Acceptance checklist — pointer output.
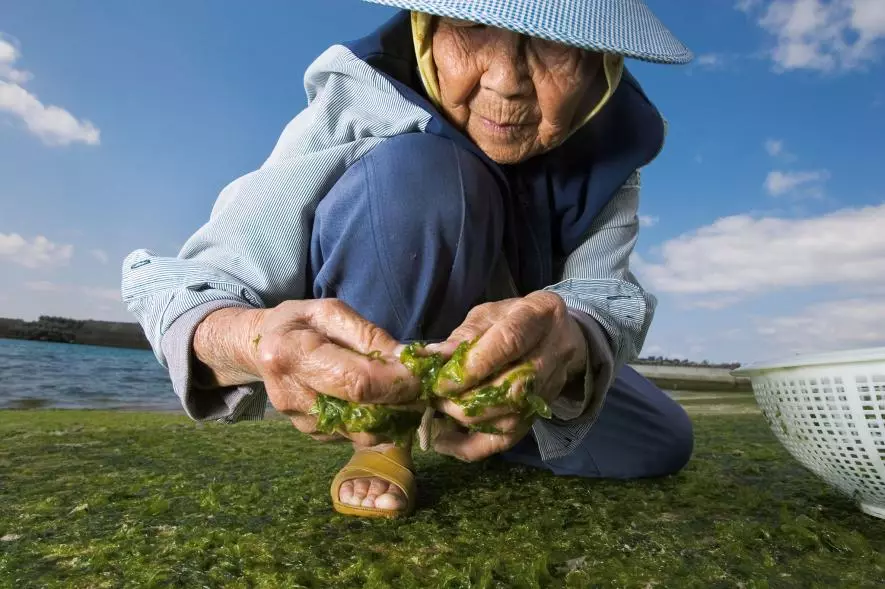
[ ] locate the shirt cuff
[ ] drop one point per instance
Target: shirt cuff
(587, 395)
(225, 404)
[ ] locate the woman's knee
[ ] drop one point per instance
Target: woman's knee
(678, 439)
(641, 433)
(417, 187)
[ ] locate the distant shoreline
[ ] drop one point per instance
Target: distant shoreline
(113, 334)
(63, 330)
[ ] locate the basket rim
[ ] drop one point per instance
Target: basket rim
(856, 356)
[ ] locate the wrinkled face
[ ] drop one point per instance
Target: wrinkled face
(514, 96)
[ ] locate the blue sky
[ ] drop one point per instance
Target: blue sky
(764, 216)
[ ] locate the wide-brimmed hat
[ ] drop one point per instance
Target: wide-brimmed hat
(624, 27)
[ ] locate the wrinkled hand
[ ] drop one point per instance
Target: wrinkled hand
(537, 330)
(302, 348)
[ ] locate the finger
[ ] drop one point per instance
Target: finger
(477, 322)
(444, 349)
(552, 368)
(364, 440)
(506, 342)
(456, 412)
(479, 319)
(474, 446)
(509, 424)
(306, 424)
(348, 329)
(324, 366)
(302, 415)
(290, 396)
(502, 344)
(328, 438)
(505, 395)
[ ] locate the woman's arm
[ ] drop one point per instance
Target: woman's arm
(596, 322)
(597, 283)
(252, 252)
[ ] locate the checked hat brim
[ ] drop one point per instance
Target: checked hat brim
(623, 27)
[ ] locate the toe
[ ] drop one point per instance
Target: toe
(360, 490)
(390, 501)
(378, 486)
(345, 492)
(372, 493)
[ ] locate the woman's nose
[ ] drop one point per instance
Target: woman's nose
(507, 72)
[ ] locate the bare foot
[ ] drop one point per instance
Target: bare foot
(373, 493)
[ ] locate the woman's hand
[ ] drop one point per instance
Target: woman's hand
(301, 348)
(510, 335)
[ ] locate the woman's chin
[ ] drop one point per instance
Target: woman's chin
(504, 152)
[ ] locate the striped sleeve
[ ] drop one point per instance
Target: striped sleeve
(597, 280)
(610, 305)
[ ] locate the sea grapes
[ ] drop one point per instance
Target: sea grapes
(426, 367)
(336, 415)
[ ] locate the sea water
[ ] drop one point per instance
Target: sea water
(40, 374)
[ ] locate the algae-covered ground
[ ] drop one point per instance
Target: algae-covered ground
(96, 499)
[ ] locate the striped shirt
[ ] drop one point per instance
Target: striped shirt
(249, 255)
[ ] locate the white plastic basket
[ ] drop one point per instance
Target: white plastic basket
(828, 410)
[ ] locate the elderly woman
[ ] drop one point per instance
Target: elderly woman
(467, 173)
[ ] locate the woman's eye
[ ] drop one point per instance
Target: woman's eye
(464, 24)
(551, 47)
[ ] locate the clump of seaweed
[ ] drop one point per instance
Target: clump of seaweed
(335, 415)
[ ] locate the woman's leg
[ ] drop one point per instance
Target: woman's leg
(641, 432)
(408, 237)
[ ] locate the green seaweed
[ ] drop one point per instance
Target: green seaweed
(336, 415)
(425, 366)
(476, 402)
(104, 499)
(375, 355)
(454, 370)
(538, 406)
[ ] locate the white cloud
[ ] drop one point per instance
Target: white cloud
(99, 255)
(742, 255)
(52, 124)
(779, 183)
(715, 303)
(747, 5)
(774, 147)
(8, 51)
(8, 55)
(648, 221)
(827, 326)
(823, 35)
(39, 252)
(710, 60)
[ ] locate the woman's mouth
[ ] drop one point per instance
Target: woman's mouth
(502, 129)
